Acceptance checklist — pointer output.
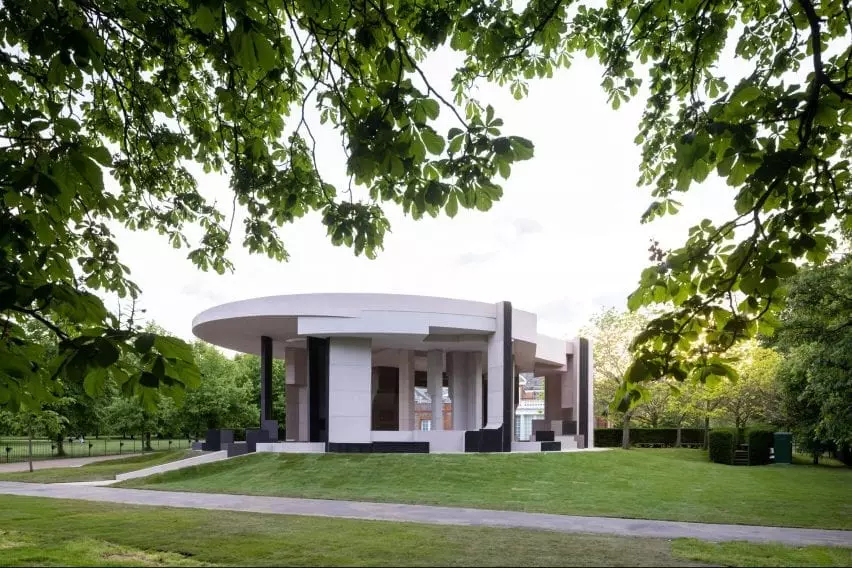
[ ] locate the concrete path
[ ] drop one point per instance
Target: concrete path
(61, 462)
(433, 515)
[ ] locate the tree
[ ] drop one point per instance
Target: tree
(752, 396)
(652, 410)
(92, 86)
(611, 332)
(779, 135)
(247, 371)
(221, 401)
(816, 339)
(682, 406)
(90, 89)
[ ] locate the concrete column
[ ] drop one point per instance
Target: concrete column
(349, 390)
(553, 397)
(297, 389)
(474, 391)
(495, 372)
(458, 375)
(501, 376)
(265, 379)
(434, 384)
(406, 389)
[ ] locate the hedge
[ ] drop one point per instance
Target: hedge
(759, 443)
(611, 437)
(722, 446)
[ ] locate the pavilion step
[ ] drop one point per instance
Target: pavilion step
(741, 457)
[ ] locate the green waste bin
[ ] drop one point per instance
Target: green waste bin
(783, 447)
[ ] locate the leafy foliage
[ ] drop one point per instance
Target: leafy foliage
(97, 91)
(815, 375)
(722, 446)
(103, 105)
(779, 135)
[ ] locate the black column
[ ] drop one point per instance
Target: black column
(583, 414)
(265, 379)
(508, 379)
(318, 389)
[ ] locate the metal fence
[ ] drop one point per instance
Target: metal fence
(16, 449)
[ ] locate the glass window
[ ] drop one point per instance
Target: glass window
(425, 425)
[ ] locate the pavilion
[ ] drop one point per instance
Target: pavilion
(353, 361)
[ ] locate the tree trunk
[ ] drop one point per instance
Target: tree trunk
(30, 448)
(706, 431)
(148, 447)
(816, 457)
(60, 446)
(677, 439)
(625, 432)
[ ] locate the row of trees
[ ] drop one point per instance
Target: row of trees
(228, 397)
(797, 379)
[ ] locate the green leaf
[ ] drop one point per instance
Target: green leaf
(204, 19)
(433, 142)
(452, 205)
(94, 384)
(523, 148)
(431, 108)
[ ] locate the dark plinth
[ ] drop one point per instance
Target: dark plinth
(378, 448)
(551, 446)
(216, 438)
(544, 436)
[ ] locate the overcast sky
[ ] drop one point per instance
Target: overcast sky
(564, 242)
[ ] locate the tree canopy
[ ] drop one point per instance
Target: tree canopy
(134, 91)
(816, 339)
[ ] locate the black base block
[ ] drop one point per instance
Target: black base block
(551, 446)
(401, 447)
(216, 438)
(378, 448)
(544, 436)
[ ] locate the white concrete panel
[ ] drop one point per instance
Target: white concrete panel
(392, 436)
(385, 322)
(349, 403)
(458, 375)
(591, 407)
(350, 351)
(526, 446)
(550, 349)
(292, 447)
(495, 370)
(434, 384)
(448, 441)
(304, 422)
(353, 429)
(293, 412)
(296, 361)
(349, 387)
(406, 389)
(523, 325)
(474, 399)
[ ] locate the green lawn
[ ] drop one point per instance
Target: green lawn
(37, 531)
(96, 471)
(650, 484)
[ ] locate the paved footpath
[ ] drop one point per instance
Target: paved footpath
(433, 515)
(61, 462)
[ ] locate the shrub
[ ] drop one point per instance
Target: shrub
(608, 437)
(759, 443)
(722, 446)
(611, 437)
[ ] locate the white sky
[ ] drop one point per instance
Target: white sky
(564, 241)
